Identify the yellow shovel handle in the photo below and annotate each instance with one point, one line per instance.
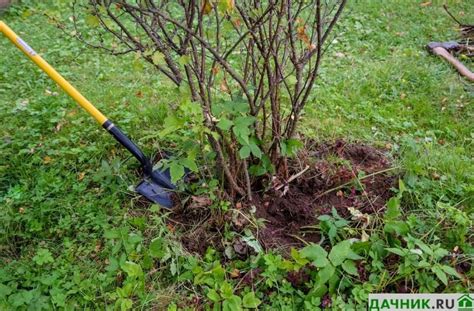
(50, 71)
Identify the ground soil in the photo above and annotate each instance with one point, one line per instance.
(340, 175)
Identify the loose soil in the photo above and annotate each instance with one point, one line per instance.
(354, 179)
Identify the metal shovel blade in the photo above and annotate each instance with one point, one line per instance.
(155, 193)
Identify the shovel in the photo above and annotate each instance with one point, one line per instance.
(156, 185)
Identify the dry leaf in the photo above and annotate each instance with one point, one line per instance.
(425, 4)
(81, 176)
(200, 202)
(98, 246)
(235, 273)
(47, 159)
(364, 237)
(72, 113)
(237, 22)
(171, 228)
(301, 33)
(58, 127)
(224, 86)
(207, 7)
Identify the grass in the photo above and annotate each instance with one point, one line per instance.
(73, 234)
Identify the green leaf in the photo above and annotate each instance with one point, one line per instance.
(450, 270)
(393, 209)
(157, 249)
(326, 273)
(190, 164)
(132, 269)
(350, 267)
(440, 274)
(176, 171)
(171, 124)
(240, 106)
(226, 290)
(225, 124)
(43, 256)
(253, 243)
(125, 304)
(396, 226)
(318, 290)
(158, 58)
(244, 121)
(255, 150)
(401, 187)
(425, 248)
(291, 80)
(213, 295)
(340, 252)
(233, 303)
(397, 251)
(298, 258)
(316, 254)
(353, 256)
(4, 291)
(440, 253)
(293, 145)
(244, 152)
(92, 20)
(250, 301)
(184, 60)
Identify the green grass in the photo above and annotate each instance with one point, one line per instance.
(73, 234)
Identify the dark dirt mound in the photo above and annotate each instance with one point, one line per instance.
(336, 175)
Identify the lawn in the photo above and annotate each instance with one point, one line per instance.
(74, 235)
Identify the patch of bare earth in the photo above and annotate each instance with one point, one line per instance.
(337, 175)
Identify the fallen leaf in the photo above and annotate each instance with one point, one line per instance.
(98, 246)
(139, 94)
(81, 176)
(171, 228)
(200, 202)
(21, 210)
(364, 237)
(58, 127)
(235, 273)
(47, 159)
(425, 4)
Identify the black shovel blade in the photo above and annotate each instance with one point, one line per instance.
(155, 193)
